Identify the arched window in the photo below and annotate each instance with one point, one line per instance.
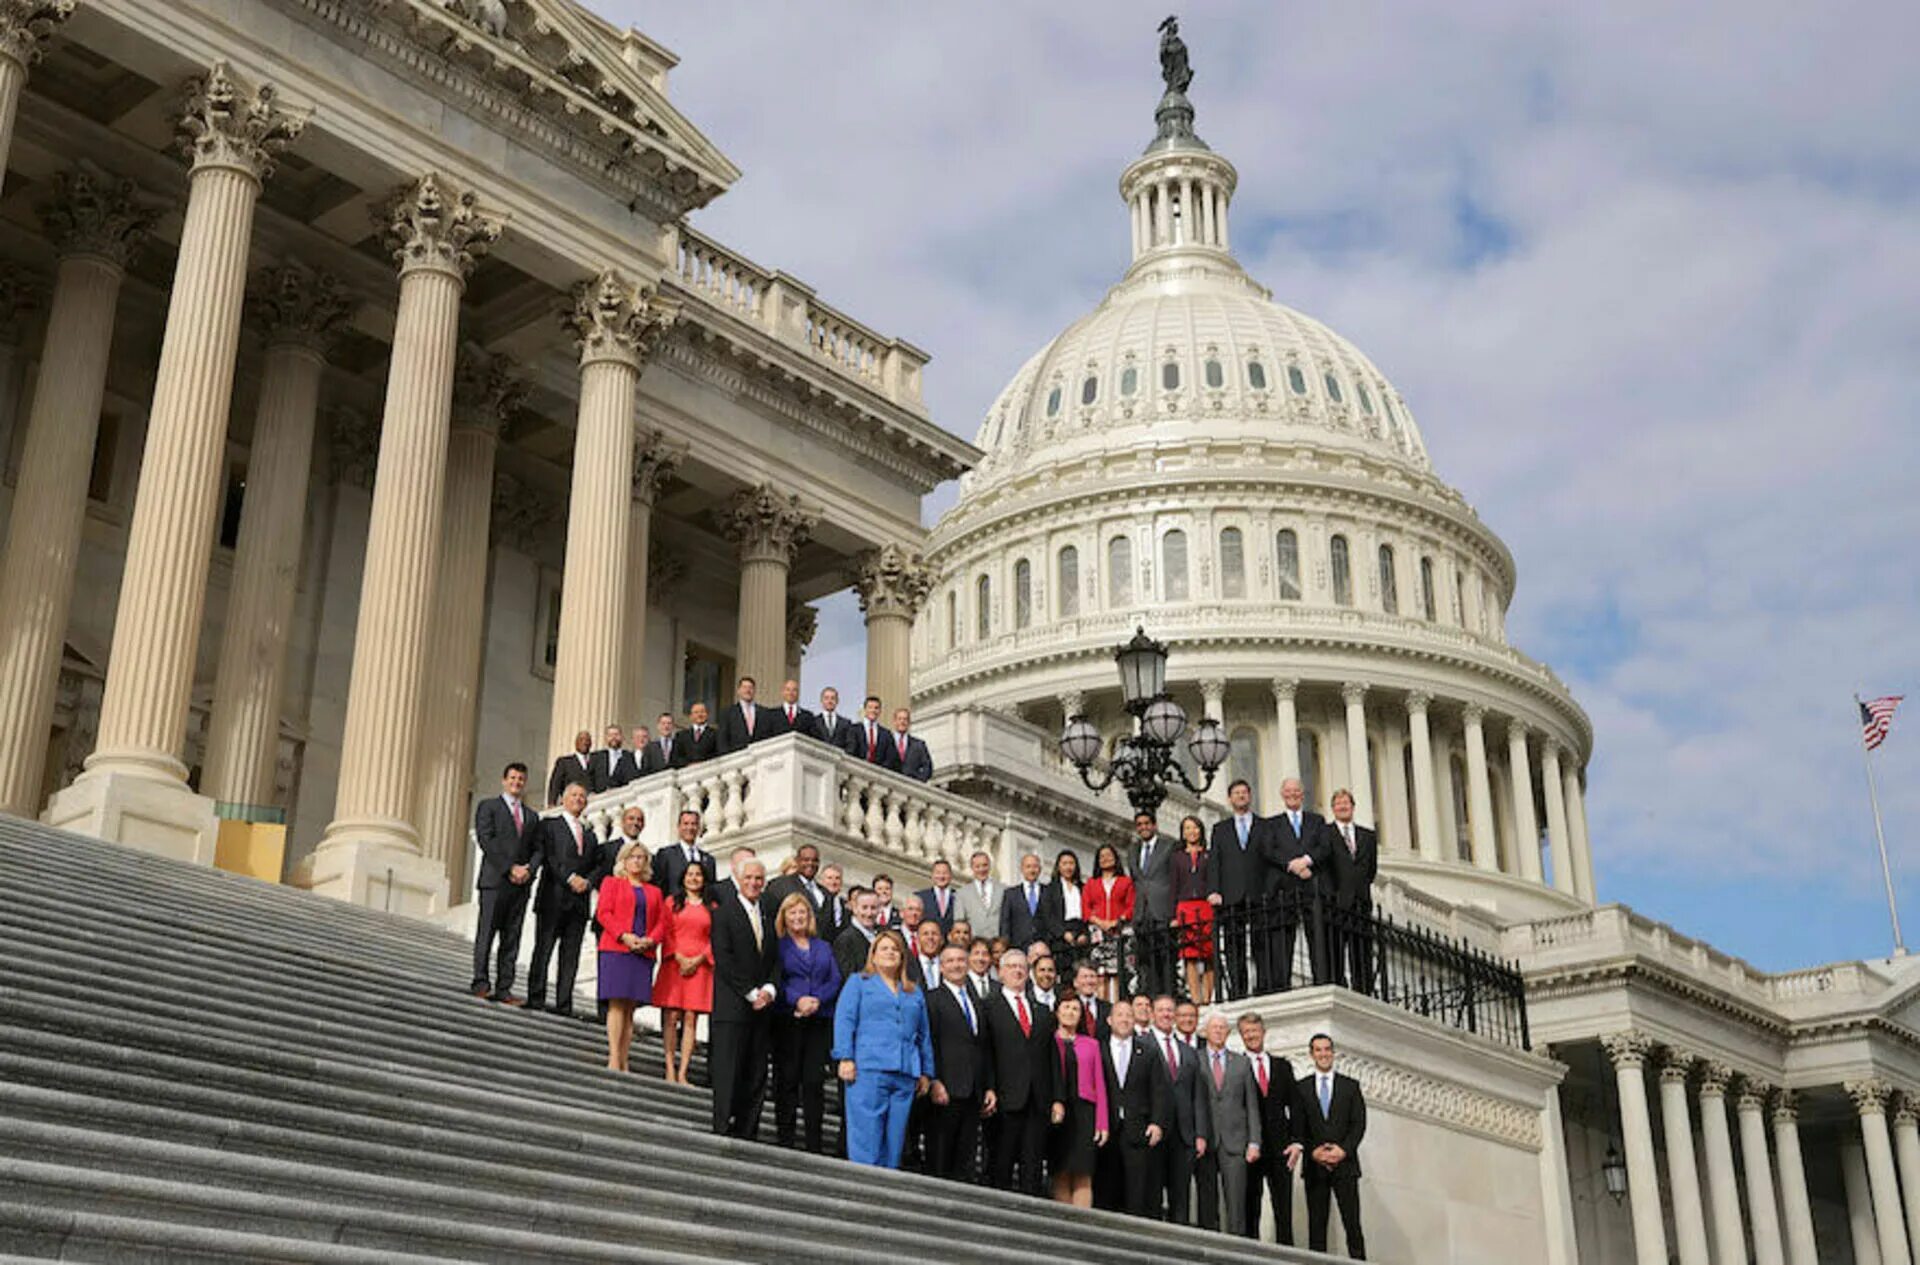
(953, 619)
(1067, 583)
(1286, 565)
(1463, 830)
(1173, 565)
(1389, 584)
(1342, 571)
(1089, 389)
(1053, 402)
(1243, 760)
(1333, 388)
(1296, 380)
(1427, 605)
(1459, 597)
(1129, 380)
(1366, 400)
(1256, 375)
(983, 608)
(1216, 376)
(1119, 571)
(1022, 593)
(1170, 376)
(1308, 749)
(1406, 761)
(1233, 564)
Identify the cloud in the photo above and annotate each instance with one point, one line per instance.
(1645, 273)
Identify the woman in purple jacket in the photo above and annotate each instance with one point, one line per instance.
(803, 1022)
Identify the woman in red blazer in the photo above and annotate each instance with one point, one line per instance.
(1108, 899)
(632, 917)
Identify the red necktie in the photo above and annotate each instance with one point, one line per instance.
(873, 745)
(1173, 1060)
(1088, 1018)
(1026, 1020)
(748, 712)
(903, 746)
(1219, 1072)
(518, 825)
(1260, 1074)
(789, 713)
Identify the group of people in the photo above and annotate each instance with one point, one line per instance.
(980, 1031)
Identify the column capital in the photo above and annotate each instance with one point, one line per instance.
(294, 305)
(1518, 730)
(1675, 1066)
(1753, 1094)
(93, 213)
(1473, 714)
(1627, 1049)
(25, 26)
(353, 446)
(1906, 1110)
(1869, 1095)
(766, 526)
(224, 124)
(1353, 692)
(1285, 689)
(1785, 1110)
(803, 622)
(1552, 752)
(1213, 694)
(1072, 703)
(434, 226)
(1715, 1077)
(487, 390)
(655, 458)
(614, 319)
(1418, 701)
(892, 581)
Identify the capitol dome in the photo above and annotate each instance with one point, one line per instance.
(1242, 481)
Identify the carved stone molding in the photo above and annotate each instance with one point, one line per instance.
(431, 224)
(1627, 1049)
(1213, 695)
(612, 318)
(654, 461)
(1418, 701)
(803, 622)
(1785, 1110)
(1676, 1066)
(520, 514)
(766, 526)
(353, 445)
(1073, 703)
(1906, 1112)
(1353, 692)
(1869, 1096)
(1714, 1078)
(92, 213)
(1753, 1095)
(292, 303)
(892, 581)
(225, 124)
(26, 25)
(1472, 714)
(487, 390)
(1456, 1106)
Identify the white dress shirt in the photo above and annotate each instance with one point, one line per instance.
(1122, 1056)
(1070, 892)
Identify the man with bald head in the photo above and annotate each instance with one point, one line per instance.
(745, 971)
(790, 717)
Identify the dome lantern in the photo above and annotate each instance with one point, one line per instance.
(1178, 190)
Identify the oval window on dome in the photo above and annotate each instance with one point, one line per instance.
(1216, 376)
(1089, 389)
(1333, 388)
(1366, 400)
(1256, 375)
(1170, 376)
(1053, 402)
(1129, 380)
(1296, 380)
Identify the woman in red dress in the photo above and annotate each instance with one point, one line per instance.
(684, 991)
(1194, 895)
(1109, 904)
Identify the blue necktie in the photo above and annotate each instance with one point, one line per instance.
(1033, 902)
(1240, 824)
(967, 1006)
(1326, 1095)
(1295, 819)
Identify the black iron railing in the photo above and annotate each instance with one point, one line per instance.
(1301, 939)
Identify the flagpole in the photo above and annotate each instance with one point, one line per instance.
(1880, 834)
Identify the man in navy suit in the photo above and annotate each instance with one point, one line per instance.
(506, 830)
(940, 902)
(665, 751)
(868, 741)
(575, 766)
(1333, 1120)
(828, 724)
(1295, 856)
(702, 739)
(790, 717)
(1020, 907)
(910, 754)
(671, 862)
(1238, 850)
(1352, 860)
(746, 722)
(613, 765)
(570, 864)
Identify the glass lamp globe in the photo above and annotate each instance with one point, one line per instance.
(1080, 742)
(1143, 668)
(1164, 721)
(1210, 746)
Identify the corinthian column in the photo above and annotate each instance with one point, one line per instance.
(485, 394)
(1359, 774)
(24, 28)
(1286, 720)
(370, 853)
(1889, 1217)
(297, 310)
(768, 530)
(892, 584)
(1577, 832)
(134, 787)
(96, 223)
(1906, 1146)
(1486, 854)
(1683, 1177)
(1426, 805)
(654, 461)
(1558, 840)
(1796, 1210)
(1762, 1206)
(1525, 824)
(1629, 1051)
(617, 325)
(1723, 1186)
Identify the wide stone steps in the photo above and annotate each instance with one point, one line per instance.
(198, 1066)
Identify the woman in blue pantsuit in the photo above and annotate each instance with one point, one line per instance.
(885, 1051)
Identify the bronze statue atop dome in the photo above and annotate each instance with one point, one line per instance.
(1174, 115)
(1174, 67)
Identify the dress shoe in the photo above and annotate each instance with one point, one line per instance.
(506, 999)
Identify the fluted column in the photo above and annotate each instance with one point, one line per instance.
(1762, 1207)
(1526, 825)
(230, 133)
(486, 392)
(24, 28)
(370, 853)
(1796, 1210)
(297, 310)
(1628, 1051)
(1683, 1176)
(1486, 853)
(1577, 833)
(1286, 717)
(1858, 1188)
(616, 324)
(892, 583)
(1426, 807)
(96, 223)
(654, 461)
(1359, 763)
(768, 529)
(1906, 1149)
(1889, 1216)
(1553, 786)
(1723, 1185)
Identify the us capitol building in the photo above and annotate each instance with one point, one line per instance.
(373, 412)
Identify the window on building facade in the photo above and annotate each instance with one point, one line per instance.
(983, 608)
(1389, 583)
(1233, 564)
(953, 620)
(1119, 571)
(1427, 606)
(1067, 583)
(1053, 402)
(1089, 389)
(1256, 375)
(1286, 565)
(1129, 380)
(1296, 380)
(1022, 593)
(1170, 376)
(1333, 388)
(1216, 375)
(1342, 570)
(1173, 565)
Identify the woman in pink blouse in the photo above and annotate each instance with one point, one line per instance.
(1080, 1115)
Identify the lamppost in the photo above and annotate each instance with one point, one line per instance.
(1144, 763)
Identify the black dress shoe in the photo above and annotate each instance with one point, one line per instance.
(565, 1012)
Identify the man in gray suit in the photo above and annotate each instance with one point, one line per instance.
(1234, 1102)
(1151, 864)
(981, 897)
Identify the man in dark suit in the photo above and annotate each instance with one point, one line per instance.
(829, 724)
(805, 880)
(727, 887)
(941, 902)
(612, 765)
(1333, 1120)
(1353, 859)
(835, 916)
(570, 864)
(745, 722)
(1237, 851)
(506, 830)
(868, 740)
(665, 751)
(1140, 1114)
(1236, 1141)
(850, 947)
(746, 963)
(671, 862)
(702, 739)
(1020, 922)
(1150, 862)
(1095, 1010)
(923, 953)
(1271, 1176)
(962, 1072)
(1021, 1035)
(910, 754)
(575, 766)
(1295, 858)
(1192, 1122)
(790, 717)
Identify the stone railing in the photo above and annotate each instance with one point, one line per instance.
(788, 309)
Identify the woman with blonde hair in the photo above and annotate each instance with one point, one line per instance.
(885, 1051)
(632, 919)
(803, 1022)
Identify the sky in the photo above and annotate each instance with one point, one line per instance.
(1648, 276)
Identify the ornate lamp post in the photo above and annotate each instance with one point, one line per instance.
(1144, 763)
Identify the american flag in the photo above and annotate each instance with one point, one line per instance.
(1876, 717)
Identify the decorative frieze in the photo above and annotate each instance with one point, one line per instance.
(292, 303)
(26, 25)
(432, 224)
(612, 318)
(892, 581)
(766, 526)
(224, 123)
(92, 213)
